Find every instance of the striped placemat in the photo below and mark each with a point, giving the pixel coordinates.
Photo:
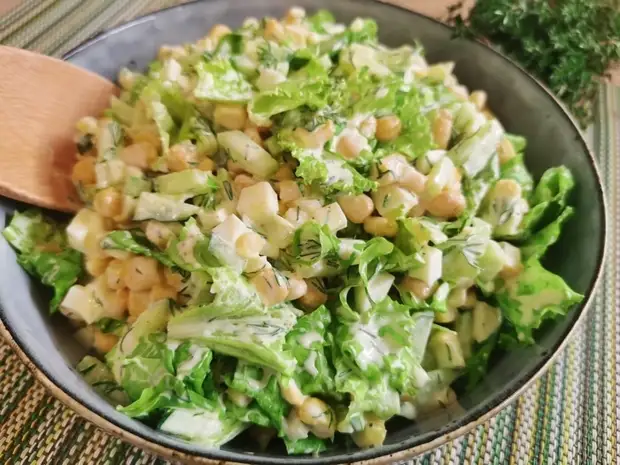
(569, 416)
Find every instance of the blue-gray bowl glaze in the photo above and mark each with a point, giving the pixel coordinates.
(521, 104)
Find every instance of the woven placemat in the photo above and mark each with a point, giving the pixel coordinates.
(568, 416)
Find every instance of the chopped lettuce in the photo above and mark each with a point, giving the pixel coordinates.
(308, 341)
(261, 384)
(379, 345)
(208, 427)
(256, 338)
(548, 199)
(43, 252)
(538, 243)
(415, 137)
(533, 296)
(218, 81)
(313, 242)
(97, 374)
(288, 96)
(136, 243)
(473, 153)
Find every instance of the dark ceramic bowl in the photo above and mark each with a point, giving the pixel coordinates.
(520, 102)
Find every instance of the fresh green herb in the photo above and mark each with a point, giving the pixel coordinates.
(109, 325)
(568, 44)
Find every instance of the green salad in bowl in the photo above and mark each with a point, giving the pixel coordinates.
(293, 229)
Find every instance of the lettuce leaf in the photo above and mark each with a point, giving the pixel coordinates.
(308, 342)
(377, 397)
(290, 95)
(310, 445)
(313, 242)
(473, 153)
(328, 171)
(209, 426)
(256, 338)
(42, 250)
(538, 243)
(548, 199)
(379, 345)
(261, 384)
(218, 81)
(533, 296)
(136, 243)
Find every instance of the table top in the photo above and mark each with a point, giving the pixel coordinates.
(570, 415)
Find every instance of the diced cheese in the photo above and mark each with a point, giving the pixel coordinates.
(431, 271)
(109, 173)
(84, 223)
(211, 218)
(332, 216)
(258, 202)
(80, 304)
(512, 265)
(171, 70)
(278, 231)
(251, 156)
(163, 208)
(230, 229)
(393, 201)
(296, 216)
(377, 289)
(486, 320)
(308, 205)
(442, 175)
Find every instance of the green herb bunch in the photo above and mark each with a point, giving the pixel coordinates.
(568, 44)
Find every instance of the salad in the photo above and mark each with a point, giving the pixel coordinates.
(294, 230)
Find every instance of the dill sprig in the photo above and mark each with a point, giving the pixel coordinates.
(568, 44)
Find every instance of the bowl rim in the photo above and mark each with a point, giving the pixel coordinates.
(370, 456)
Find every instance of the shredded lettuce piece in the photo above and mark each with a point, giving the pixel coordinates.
(218, 81)
(533, 296)
(42, 250)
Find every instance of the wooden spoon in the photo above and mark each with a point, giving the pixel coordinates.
(41, 99)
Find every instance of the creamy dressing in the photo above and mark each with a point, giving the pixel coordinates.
(307, 339)
(193, 423)
(260, 384)
(196, 356)
(533, 302)
(185, 248)
(293, 428)
(310, 364)
(336, 172)
(374, 348)
(408, 410)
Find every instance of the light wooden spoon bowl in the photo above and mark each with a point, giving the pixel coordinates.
(41, 100)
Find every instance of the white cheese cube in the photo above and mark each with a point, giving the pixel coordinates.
(258, 201)
(230, 229)
(109, 173)
(279, 231)
(443, 175)
(486, 320)
(210, 219)
(296, 216)
(331, 215)
(84, 223)
(377, 289)
(393, 201)
(80, 304)
(431, 271)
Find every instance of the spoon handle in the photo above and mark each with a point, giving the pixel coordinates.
(42, 99)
